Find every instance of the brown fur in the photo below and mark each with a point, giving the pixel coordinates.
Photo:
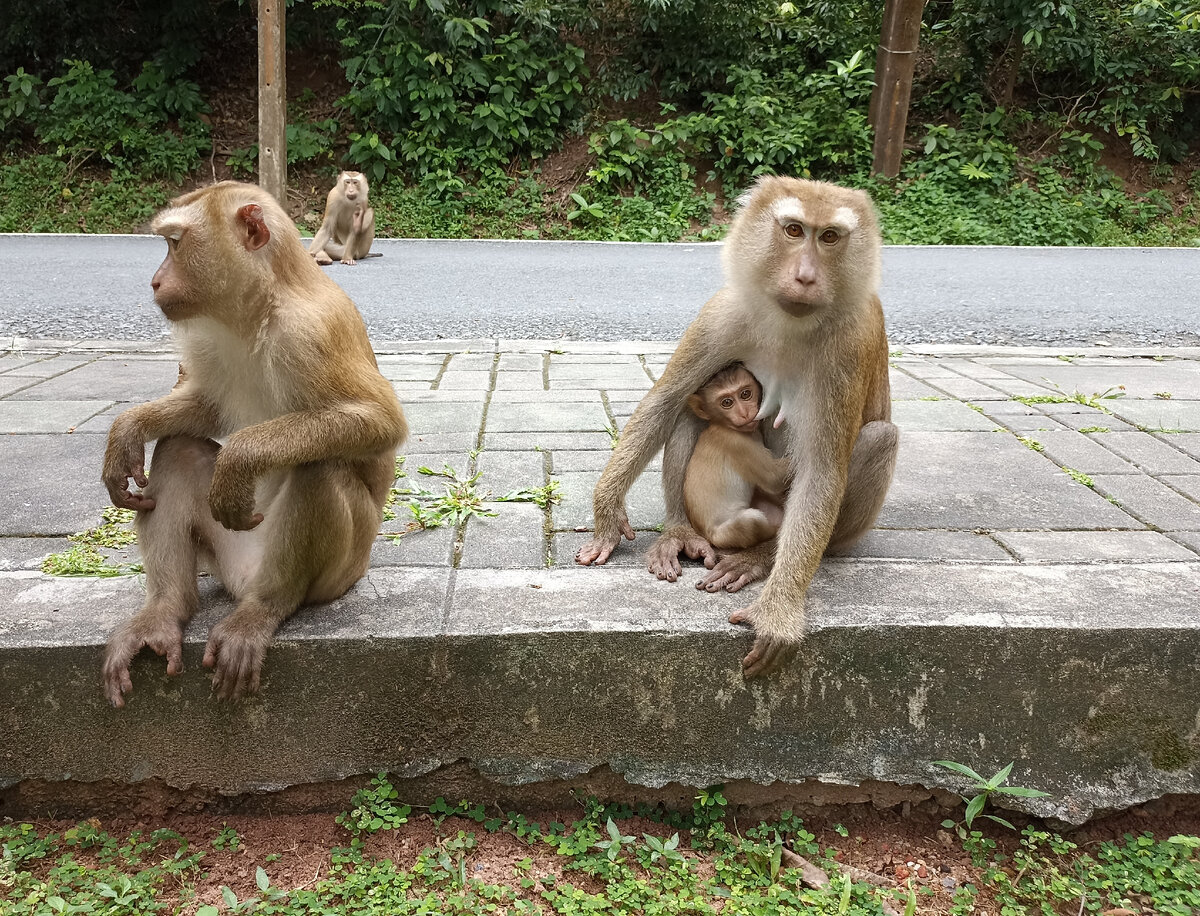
(276, 358)
(802, 313)
(348, 228)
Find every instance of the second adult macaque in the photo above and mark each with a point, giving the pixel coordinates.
(348, 229)
(800, 309)
(733, 489)
(276, 359)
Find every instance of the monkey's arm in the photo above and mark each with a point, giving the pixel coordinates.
(348, 432)
(755, 464)
(822, 458)
(179, 413)
(700, 353)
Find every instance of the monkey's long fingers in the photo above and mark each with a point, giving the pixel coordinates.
(766, 655)
(594, 551)
(117, 682)
(627, 529)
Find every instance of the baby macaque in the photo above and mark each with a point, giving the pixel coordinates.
(348, 229)
(733, 489)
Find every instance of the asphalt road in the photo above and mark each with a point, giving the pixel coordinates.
(69, 287)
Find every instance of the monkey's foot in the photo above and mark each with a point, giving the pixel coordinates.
(601, 546)
(235, 652)
(663, 560)
(161, 633)
(350, 261)
(734, 571)
(770, 650)
(323, 259)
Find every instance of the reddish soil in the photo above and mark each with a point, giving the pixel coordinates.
(888, 847)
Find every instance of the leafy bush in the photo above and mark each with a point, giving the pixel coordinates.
(440, 88)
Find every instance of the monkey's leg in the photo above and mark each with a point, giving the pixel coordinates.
(871, 466)
(678, 534)
(167, 536)
(362, 234)
(745, 529)
(315, 541)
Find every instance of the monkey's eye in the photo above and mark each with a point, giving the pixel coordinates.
(726, 403)
(793, 230)
(830, 236)
(746, 393)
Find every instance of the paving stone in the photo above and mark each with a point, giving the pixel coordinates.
(447, 416)
(1138, 378)
(46, 416)
(505, 471)
(1187, 484)
(1186, 442)
(424, 547)
(991, 481)
(457, 443)
(1082, 452)
(1092, 546)
(928, 545)
(1030, 424)
(10, 384)
(1151, 501)
(18, 553)
(551, 441)
(628, 555)
(1144, 451)
(50, 365)
(968, 389)
(924, 368)
(114, 379)
(1092, 423)
(1160, 415)
(1190, 539)
(520, 363)
(938, 415)
(52, 484)
(539, 396)
(1015, 387)
(644, 504)
(598, 383)
(565, 460)
(551, 416)
(410, 368)
(906, 388)
(513, 538)
(980, 371)
(1008, 409)
(520, 381)
(471, 362)
(473, 381)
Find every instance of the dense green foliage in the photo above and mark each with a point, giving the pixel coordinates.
(667, 110)
(688, 862)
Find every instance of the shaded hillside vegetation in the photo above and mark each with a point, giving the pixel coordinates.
(1068, 122)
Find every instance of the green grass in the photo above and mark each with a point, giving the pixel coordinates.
(700, 861)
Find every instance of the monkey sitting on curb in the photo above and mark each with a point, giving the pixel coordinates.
(733, 488)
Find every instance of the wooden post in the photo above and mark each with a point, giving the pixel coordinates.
(272, 100)
(893, 82)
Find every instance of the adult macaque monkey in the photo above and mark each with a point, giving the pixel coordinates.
(800, 310)
(277, 359)
(348, 229)
(734, 486)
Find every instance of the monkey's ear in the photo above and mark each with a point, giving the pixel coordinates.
(697, 404)
(254, 227)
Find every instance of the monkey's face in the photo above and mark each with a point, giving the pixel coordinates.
(354, 185)
(804, 245)
(173, 290)
(735, 404)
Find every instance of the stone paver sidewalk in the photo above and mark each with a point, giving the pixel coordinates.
(1032, 592)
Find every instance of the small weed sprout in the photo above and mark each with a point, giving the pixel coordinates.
(1031, 444)
(1163, 395)
(1075, 397)
(612, 846)
(542, 497)
(227, 838)
(984, 789)
(1094, 429)
(1080, 477)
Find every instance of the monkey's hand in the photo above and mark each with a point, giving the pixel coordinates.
(231, 495)
(349, 260)
(776, 637)
(736, 570)
(125, 457)
(322, 258)
(235, 651)
(605, 541)
(663, 559)
(161, 633)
